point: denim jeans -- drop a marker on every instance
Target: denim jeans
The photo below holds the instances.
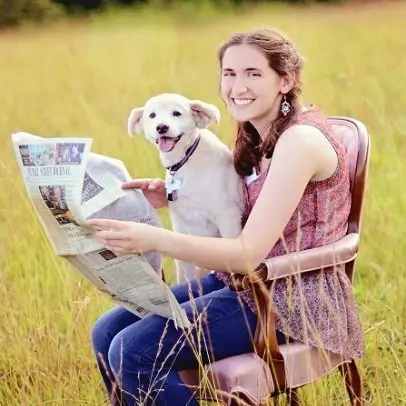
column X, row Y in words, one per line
column 139, row 359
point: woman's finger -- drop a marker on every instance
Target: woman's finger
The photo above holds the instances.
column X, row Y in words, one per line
column 137, row 184
column 117, row 250
column 119, row 246
column 112, row 243
column 156, row 184
column 110, row 236
column 107, row 224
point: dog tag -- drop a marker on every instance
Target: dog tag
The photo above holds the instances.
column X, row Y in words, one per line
column 172, row 186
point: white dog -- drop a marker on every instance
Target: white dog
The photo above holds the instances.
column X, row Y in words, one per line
column 204, row 191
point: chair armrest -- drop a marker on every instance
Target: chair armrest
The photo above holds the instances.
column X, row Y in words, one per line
column 339, row 252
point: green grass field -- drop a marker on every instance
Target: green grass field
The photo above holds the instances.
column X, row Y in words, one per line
column 82, row 79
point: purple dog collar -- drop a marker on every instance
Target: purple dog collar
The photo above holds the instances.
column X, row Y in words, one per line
column 188, row 154
column 172, row 195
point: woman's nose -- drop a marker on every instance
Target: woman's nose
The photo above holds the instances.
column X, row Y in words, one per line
column 239, row 87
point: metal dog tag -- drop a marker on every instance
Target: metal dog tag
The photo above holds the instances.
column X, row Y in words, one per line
column 172, row 186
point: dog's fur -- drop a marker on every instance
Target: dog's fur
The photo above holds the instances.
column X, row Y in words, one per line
column 210, row 198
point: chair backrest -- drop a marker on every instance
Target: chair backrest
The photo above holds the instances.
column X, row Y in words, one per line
column 354, row 136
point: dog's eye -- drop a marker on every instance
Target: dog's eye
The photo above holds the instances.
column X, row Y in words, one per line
column 152, row 115
column 176, row 113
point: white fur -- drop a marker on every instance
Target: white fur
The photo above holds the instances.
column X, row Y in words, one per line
column 210, row 199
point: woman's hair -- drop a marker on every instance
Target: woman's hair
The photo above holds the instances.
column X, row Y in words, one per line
column 283, row 59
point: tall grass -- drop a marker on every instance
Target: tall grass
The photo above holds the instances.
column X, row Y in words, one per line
column 83, row 78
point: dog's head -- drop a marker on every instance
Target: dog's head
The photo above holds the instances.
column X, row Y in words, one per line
column 171, row 120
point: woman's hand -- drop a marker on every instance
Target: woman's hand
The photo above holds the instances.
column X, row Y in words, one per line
column 126, row 237
column 154, row 190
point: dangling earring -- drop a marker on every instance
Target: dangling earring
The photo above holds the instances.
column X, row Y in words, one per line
column 285, row 106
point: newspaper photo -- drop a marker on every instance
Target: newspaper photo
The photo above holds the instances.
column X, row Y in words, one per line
column 68, row 185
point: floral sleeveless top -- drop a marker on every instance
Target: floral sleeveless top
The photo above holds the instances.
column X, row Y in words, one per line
column 317, row 308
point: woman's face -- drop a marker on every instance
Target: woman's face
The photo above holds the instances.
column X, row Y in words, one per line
column 250, row 88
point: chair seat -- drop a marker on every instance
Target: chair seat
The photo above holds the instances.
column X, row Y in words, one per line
column 250, row 375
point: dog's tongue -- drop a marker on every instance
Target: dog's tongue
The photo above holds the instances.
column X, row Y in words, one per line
column 166, row 144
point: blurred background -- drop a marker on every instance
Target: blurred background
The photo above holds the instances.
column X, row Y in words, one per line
column 77, row 68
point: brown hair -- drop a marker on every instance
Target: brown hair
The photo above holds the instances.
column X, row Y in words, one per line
column 283, row 59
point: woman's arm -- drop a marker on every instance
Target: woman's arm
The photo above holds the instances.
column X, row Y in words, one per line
column 299, row 156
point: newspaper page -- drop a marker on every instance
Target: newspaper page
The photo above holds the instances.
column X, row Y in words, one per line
column 68, row 184
column 52, row 170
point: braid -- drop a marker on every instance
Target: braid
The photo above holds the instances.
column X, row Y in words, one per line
column 247, row 153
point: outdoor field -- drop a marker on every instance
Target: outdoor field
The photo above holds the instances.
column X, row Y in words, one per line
column 82, row 78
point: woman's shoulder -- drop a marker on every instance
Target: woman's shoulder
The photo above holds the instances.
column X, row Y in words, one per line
column 313, row 117
column 310, row 113
column 311, row 132
column 309, row 127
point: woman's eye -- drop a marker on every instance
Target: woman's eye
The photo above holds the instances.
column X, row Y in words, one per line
column 254, row 74
column 152, row 115
column 176, row 113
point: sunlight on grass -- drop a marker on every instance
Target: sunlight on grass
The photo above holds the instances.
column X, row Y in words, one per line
column 82, row 79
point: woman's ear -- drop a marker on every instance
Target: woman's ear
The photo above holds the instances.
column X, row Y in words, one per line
column 287, row 82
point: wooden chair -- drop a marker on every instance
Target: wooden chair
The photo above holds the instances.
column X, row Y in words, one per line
column 271, row 369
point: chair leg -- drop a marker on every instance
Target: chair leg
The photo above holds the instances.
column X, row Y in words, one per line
column 352, row 383
column 292, row 397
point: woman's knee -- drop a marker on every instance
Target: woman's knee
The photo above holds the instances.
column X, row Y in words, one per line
column 122, row 357
column 101, row 335
column 108, row 325
column 136, row 350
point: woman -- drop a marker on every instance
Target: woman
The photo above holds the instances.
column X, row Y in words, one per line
column 297, row 197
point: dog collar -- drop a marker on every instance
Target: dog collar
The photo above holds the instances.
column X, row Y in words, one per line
column 188, row 154
column 172, row 184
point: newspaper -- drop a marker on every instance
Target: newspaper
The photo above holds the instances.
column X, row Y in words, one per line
column 67, row 185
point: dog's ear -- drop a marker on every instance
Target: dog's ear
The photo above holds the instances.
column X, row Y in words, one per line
column 203, row 113
column 134, row 124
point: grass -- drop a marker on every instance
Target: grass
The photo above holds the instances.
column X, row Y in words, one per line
column 82, row 78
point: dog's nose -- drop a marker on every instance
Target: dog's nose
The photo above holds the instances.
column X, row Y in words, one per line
column 162, row 128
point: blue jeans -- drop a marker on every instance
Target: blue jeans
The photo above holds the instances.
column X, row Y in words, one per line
column 139, row 359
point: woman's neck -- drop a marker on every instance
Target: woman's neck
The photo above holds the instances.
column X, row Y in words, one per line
column 263, row 124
